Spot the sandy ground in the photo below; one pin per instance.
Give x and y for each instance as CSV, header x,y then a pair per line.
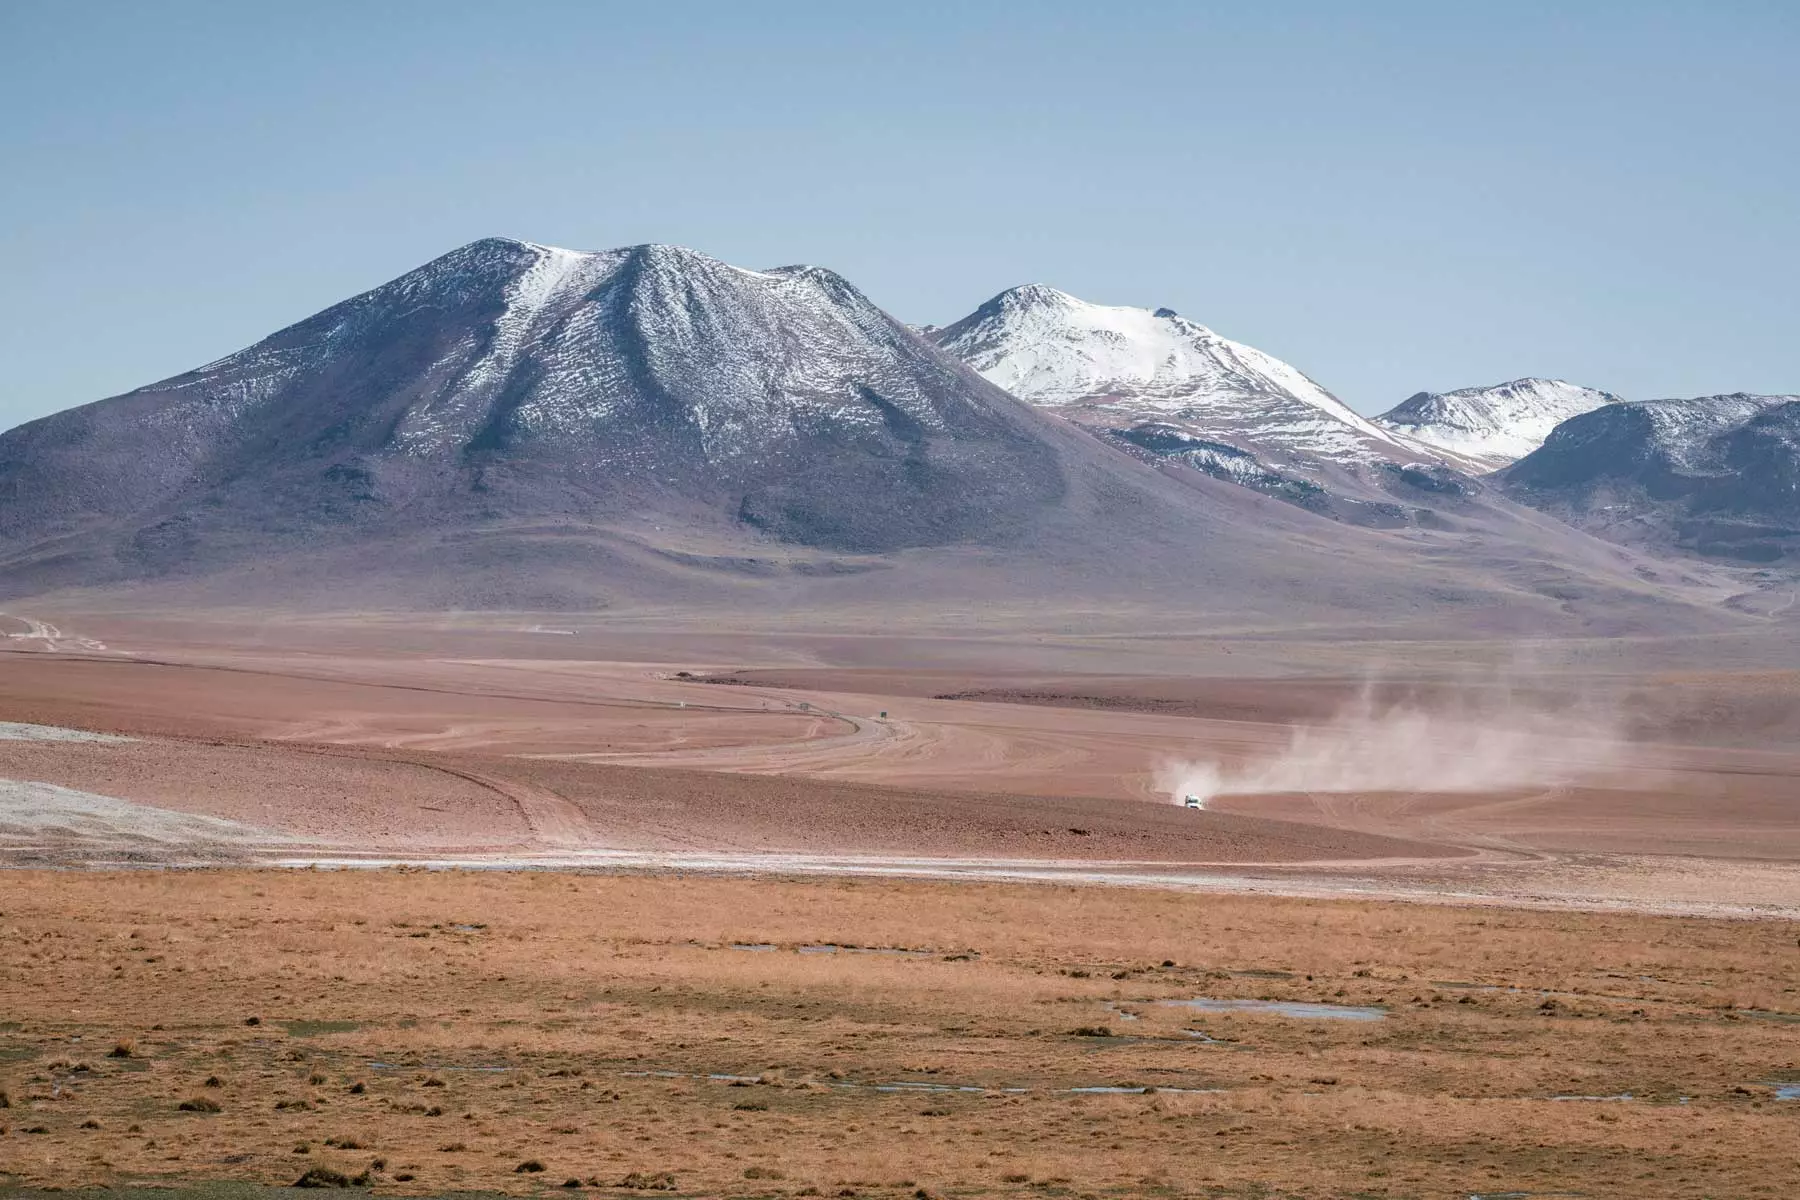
x,y
519,740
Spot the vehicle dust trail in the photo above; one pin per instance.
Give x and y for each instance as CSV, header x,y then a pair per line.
x,y
1488,744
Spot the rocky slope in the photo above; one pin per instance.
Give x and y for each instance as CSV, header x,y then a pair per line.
x,y
1486,428
1715,475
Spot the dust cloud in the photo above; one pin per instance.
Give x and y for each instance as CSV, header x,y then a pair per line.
x,y
1484,741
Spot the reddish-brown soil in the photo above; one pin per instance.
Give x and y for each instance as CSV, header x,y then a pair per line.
x,y
383,737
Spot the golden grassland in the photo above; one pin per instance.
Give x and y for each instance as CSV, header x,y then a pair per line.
x,y
428,1032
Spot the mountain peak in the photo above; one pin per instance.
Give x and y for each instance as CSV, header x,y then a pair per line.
x,y
1495,425
1054,350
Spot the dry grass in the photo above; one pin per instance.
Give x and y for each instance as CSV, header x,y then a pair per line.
x,y
455,1027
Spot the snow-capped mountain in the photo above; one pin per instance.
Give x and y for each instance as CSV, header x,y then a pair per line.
x,y
1719,475
514,426
1120,366
512,380
1489,427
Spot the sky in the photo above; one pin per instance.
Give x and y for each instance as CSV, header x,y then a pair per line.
x,y
1393,197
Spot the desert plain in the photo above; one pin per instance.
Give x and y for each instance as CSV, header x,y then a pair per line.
x,y
525,903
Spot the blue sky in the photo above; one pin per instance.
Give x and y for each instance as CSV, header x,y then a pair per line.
x,y
1391,196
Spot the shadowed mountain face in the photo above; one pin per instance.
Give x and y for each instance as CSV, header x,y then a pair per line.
x,y
520,381
1717,475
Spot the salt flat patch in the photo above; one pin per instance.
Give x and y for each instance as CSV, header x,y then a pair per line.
x,y
48,816
14,731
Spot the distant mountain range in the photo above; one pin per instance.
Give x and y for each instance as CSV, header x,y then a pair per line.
x,y
516,426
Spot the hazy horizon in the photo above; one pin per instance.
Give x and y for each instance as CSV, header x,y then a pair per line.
x,y
1394,199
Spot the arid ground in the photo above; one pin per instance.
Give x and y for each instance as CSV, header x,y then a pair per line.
x,y
1660,775
826,918
447,1031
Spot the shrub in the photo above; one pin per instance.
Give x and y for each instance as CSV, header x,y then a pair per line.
x,y
122,1049
325,1177
644,1181
530,1166
199,1104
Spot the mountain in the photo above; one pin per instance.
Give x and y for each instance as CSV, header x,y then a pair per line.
x,y
1119,366
514,426
1486,428
1172,391
524,380
1715,475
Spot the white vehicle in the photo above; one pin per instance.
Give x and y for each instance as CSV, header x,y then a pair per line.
x,y
1192,801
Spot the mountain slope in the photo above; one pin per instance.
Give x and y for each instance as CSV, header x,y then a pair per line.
x,y
1716,475
1489,427
531,381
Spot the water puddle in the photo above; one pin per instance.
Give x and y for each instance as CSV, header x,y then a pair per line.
x,y
306,1029
840,948
1784,1091
1299,1010
894,951
907,1086
1766,1014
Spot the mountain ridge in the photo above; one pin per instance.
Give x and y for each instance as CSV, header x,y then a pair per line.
x,y
513,425
1489,427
